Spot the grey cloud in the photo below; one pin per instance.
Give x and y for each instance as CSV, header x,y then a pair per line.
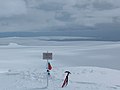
x,y
64,16
105,32
84,6
9,8
98,5
6,21
116,19
61,15
109,31
71,27
13,18
103,5
51,6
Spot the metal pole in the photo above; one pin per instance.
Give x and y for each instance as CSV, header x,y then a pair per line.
x,y
47,72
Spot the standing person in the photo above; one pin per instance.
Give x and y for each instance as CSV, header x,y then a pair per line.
x,y
49,67
65,83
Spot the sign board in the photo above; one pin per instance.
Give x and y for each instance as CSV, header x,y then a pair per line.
x,y
47,56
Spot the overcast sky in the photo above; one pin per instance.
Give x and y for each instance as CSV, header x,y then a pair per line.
x,y
48,15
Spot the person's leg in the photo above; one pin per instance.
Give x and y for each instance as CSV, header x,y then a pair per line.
x,y
66,81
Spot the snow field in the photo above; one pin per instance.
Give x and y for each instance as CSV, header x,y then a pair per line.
x,y
22,67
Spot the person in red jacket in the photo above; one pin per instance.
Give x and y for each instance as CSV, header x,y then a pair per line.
x,y
49,68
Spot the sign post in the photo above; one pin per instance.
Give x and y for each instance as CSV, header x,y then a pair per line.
x,y
47,56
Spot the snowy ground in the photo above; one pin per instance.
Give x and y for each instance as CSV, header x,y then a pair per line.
x,y
22,67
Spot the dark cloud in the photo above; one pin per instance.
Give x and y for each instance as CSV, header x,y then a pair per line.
x,y
102,32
